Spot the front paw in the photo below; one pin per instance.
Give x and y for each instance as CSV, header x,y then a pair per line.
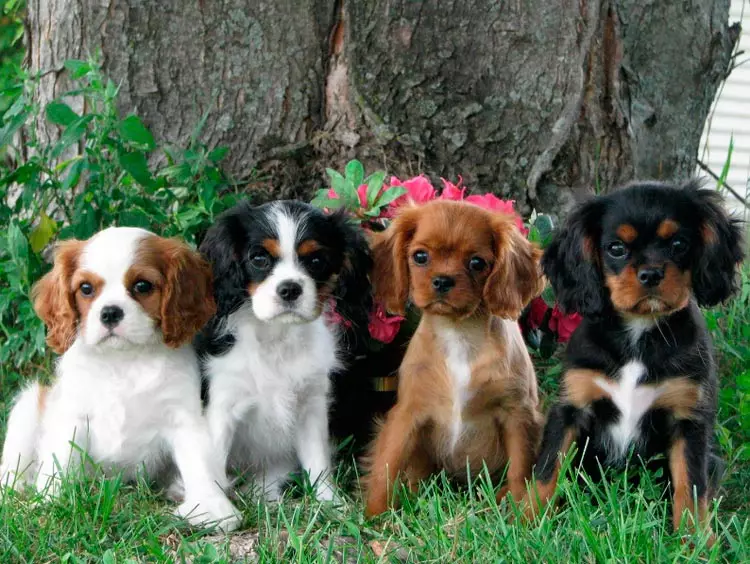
x,y
215,510
325,491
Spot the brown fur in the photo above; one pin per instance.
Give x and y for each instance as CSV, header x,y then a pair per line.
x,y
538,498
667,228
272,246
683,501
54,297
186,288
307,247
417,436
630,297
627,233
580,387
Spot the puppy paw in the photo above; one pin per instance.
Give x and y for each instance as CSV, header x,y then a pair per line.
x,y
325,491
215,511
176,491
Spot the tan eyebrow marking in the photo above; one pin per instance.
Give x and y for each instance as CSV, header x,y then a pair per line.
x,y
272,246
627,232
667,228
307,247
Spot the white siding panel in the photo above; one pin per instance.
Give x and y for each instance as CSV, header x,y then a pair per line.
x,y
731,113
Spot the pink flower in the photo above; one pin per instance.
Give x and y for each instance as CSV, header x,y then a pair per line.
x,y
418,190
452,191
537,311
333,317
563,325
383,327
493,203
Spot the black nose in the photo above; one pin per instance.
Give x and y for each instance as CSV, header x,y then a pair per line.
x,y
441,284
289,291
650,277
111,316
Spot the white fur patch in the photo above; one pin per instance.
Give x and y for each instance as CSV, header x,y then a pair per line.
x,y
637,327
458,356
632,400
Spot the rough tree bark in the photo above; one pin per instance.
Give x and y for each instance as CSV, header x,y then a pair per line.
x,y
531,99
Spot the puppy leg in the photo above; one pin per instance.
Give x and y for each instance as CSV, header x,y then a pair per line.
x,y
392,452
519,435
203,476
222,425
559,434
688,467
313,449
18,464
61,446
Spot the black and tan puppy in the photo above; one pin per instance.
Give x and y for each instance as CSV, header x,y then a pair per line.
x,y
640,375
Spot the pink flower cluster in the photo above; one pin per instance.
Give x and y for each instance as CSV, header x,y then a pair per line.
x,y
561,324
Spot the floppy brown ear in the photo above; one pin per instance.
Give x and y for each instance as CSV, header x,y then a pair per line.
x,y
188,299
516,275
390,275
54,297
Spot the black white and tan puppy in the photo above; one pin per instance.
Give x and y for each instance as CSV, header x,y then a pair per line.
x,y
640,376
269,353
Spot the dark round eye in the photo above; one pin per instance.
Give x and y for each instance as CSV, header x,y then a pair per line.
x,y
617,249
142,287
87,289
261,261
679,245
315,263
477,264
421,258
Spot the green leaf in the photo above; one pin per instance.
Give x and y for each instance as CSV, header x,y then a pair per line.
x,y
78,69
355,172
60,113
374,185
74,174
217,154
42,233
345,190
136,165
72,134
10,128
743,382
392,193
132,130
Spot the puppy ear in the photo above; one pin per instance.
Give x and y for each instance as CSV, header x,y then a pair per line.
x,y
715,275
54,297
353,291
222,247
516,277
188,301
572,262
390,277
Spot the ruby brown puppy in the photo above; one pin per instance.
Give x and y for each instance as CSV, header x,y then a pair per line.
x,y
121,309
640,375
467,392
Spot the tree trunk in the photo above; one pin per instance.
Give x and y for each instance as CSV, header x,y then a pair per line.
x,y
531,99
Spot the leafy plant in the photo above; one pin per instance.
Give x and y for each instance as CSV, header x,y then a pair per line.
x,y
97,172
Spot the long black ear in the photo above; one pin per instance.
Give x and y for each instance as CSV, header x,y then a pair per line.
x,y
715,275
572,262
222,247
353,291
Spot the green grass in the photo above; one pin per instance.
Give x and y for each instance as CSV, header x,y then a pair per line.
x,y
102,519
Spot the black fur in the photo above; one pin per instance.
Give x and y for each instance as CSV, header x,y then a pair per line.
x,y
679,346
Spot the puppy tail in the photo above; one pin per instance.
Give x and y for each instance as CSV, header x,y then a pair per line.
x,y
18,463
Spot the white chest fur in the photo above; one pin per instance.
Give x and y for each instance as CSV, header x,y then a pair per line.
x,y
458,357
632,400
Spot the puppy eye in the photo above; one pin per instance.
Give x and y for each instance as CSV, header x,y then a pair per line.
x,y
86,289
477,264
617,250
315,263
142,287
261,261
679,245
421,258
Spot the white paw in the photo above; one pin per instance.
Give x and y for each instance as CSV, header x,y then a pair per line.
x,y
325,491
215,510
176,491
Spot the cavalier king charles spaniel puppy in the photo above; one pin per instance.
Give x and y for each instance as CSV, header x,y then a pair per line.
x,y
268,354
640,374
121,309
467,392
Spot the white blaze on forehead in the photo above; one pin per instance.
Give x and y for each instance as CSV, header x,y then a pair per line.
x,y
111,252
287,227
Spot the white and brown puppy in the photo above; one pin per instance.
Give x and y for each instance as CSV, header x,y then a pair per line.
x,y
121,308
